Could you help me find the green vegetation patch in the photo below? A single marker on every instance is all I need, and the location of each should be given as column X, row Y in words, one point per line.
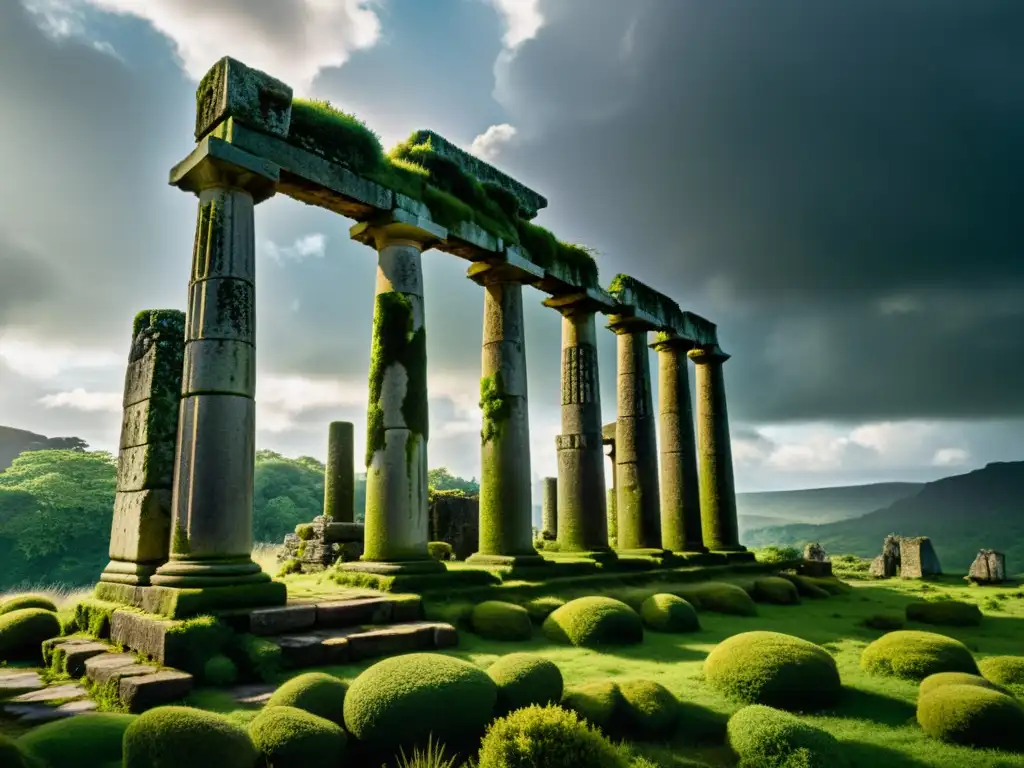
column 914, row 655
column 669, row 613
column 13, row 756
column 83, row 741
column 947, row 613
column 596, row 703
column 27, row 601
column 495, row 406
column 1004, row 670
column 973, row 716
column 337, row 136
column 440, row 550
column 646, row 299
column 646, row 709
column 219, row 670
column 773, row 589
column 540, row 608
column 770, row 738
column 304, row 531
column 287, row 737
column 718, row 597
column 524, row 679
column 546, row 736
column 497, row 620
column 940, row 679
column 318, row 693
column 255, row 657
column 93, row 615
column 806, row 586
column 171, row 737
column 774, row 669
column 22, row 633
column 191, row 643
column 595, row 621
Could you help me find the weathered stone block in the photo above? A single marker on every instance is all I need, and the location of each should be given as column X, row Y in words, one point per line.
column 989, row 567
column 388, row 641
column 253, row 98
column 144, row 634
column 445, row 636
column 918, row 558
column 152, row 420
column 348, row 613
column 298, row 651
column 138, row 694
column 146, row 466
column 140, row 532
column 116, row 673
column 456, row 520
column 71, row 656
column 219, row 366
column 99, row 666
column 222, row 308
column 273, row 621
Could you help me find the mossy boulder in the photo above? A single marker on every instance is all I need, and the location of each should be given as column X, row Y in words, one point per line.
column 83, row 741
column 590, row 622
column 940, row 679
column 973, row 716
column 807, row 586
column 646, row 709
column 764, row 737
column 13, row 756
column 540, row 608
column 914, row 655
column 171, row 737
column 524, row 679
column 547, row 736
column 440, row 550
column 596, row 703
column 404, row 699
column 946, row 613
column 287, row 737
column 219, row 670
column 28, row 601
column 496, row 620
column 774, row 669
column 669, row 613
column 776, row 590
column 318, row 693
column 23, row 631
column 718, row 597
column 1004, row 670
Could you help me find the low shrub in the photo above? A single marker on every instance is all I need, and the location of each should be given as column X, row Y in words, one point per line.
column 170, row 737
column 973, row 716
column 1004, row 670
column 304, row 531
column 440, row 550
column 596, row 703
column 256, row 657
column 947, row 613
column 318, row 693
column 23, row 631
column 886, row 622
column 219, row 670
column 496, row 620
column 773, row 589
column 773, row 555
column 82, row 741
column 546, row 736
column 718, row 597
column 540, row 608
column 28, row 601
column 914, row 655
column 646, row 709
column 594, row 621
column 764, row 737
column 524, row 679
column 806, row 586
column 287, row 737
column 669, row 613
column 940, row 679
column 831, row 584
column 774, row 669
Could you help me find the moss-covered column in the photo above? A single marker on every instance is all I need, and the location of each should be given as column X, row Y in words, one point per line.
column 611, row 497
column 680, row 491
column 714, row 449
column 397, row 519
column 339, row 477
column 549, row 508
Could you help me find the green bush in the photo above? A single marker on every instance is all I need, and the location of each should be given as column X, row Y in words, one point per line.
column 78, row 742
column 22, row 632
column 524, row 679
column 288, row 737
column 773, row 589
column 1004, row 670
column 495, row 620
column 171, row 737
column 774, row 555
column 884, row 622
column 402, row 700
column 973, row 716
column 646, row 709
column 546, row 736
column 764, row 737
column 831, row 584
column 915, row 655
column 318, row 693
column 774, row 669
column 669, row 613
column 540, row 608
column 22, row 602
column 595, row 702
column 718, row 597
column 13, row 756
column 594, row 621
column 440, row 550
column 940, row 679
column 304, row 531
column 219, row 670
column 256, row 657
column 806, row 586
column 947, row 613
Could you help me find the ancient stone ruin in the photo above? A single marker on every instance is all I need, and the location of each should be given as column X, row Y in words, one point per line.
column 887, row 564
column 455, row 519
column 815, row 561
column 917, row 558
column 989, row 567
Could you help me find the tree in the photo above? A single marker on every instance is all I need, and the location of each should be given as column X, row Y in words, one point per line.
column 441, row 479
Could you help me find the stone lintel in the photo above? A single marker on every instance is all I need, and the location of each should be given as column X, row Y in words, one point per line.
column 470, row 241
column 637, row 322
column 709, row 354
column 702, row 332
column 580, row 301
column 215, row 162
column 507, row 267
column 398, row 225
column 231, row 89
column 666, row 340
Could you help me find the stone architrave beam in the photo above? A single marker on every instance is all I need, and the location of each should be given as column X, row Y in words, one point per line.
column 339, row 477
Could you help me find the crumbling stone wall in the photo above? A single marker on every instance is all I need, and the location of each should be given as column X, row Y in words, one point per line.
column 887, row 564
column 918, row 558
column 317, row 545
column 455, row 518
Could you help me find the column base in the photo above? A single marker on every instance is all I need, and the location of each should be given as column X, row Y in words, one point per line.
column 505, row 561
column 177, row 603
column 597, row 555
column 185, row 573
column 395, row 568
column 126, row 572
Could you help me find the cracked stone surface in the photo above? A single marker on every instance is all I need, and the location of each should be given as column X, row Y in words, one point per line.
column 53, row 693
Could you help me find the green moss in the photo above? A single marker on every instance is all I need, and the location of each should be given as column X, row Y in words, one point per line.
column 1005, row 670
column 646, row 710
column 191, row 643
column 179, row 542
column 949, row 613
column 288, row 737
column 13, row 756
column 772, row 589
column 547, row 736
column 718, row 597
column 301, row 551
column 669, row 613
column 497, row 620
column 593, row 622
column 505, row 200
column 318, row 693
column 170, row 737
column 335, row 135
column 23, row 632
column 494, row 404
column 28, row 601
column 78, row 742
column 597, row 703
column 440, row 550
column 256, row 657
column 806, row 587
column 972, row 716
column 183, row 603
column 545, row 250
column 524, row 679
column 646, row 298
column 915, row 655
column 770, row 738
column 219, row 670
column 415, row 410
column 940, row 679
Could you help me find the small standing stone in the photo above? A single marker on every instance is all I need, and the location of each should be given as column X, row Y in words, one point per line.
column 815, row 552
column 989, row 567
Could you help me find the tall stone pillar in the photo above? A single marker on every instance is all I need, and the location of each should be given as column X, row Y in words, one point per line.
column 611, row 496
column 211, row 531
column 680, row 491
column 549, row 508
column 339, row 477
column 636, row 450
column 717, row 485
column 140, row 533
column 397, row 519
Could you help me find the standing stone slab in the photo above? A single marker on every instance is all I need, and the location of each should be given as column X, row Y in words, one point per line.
column 549, row 508
column 251, row 97
column 989, row 567
column 918, row 559
column 140, row 532
column 339, row 478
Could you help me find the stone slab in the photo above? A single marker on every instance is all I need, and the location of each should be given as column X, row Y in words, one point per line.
column 341, row 646
column 52, row 693
column 144, row 692
column 105, row 675
column 274, row 621
column 253, row 693
column 142, row 633
column 347, row 613
column 38, row 713
column 232, row 89
column 101, row 665
column 74, row 655
column 14, row 682
column 146, row 466
column 141, row 528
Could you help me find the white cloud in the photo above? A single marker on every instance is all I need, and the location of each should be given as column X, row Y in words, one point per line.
column 522, row 20
column 279, row 399
column 80, row 400
column 488, row 145
column 305, row 247
column 39, row 360
column 950, row 457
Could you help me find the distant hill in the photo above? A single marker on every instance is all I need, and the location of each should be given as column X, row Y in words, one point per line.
column 817, row 505
column 961, row 514
column 14, row 441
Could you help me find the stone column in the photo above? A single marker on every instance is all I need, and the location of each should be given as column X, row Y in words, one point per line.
column 636, row 450
column 680, row 491
column 717, row 486
column 397, row 518
column 140, row 533
column 211, row 531
column 339, row 477
column 549, row 508
column 611, row 495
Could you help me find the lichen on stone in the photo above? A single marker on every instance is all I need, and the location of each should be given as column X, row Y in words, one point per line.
column 494, row 404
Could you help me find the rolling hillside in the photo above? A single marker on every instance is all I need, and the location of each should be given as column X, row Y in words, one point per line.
column 961, row 514
column 14, row 441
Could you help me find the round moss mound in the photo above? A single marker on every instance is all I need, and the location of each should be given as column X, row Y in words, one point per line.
column 669, row 613
column 440, row 550
column 914, row 655
column 82, row 741
column 495, row 620
column 170, row 737
column 590, row 622
column 945, row 613
column 405, row 699
column 596, row 703
column 940, row 679
column 546, row 736
column 775, row 590
column 23, row 631
column 28, row 601
column 219, row 670
column 540, row 608
column 972, row 716
column 1004, row 670
column 807, row 587
column 318, row 693
column 13, row 756
column 524, row 679
column 774, row 669
column 288, row 737
column 646, row 709
column 719, row 597
column 770, row 738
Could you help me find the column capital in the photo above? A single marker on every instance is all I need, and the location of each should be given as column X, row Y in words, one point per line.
column 710, row 354
column 620, row 324
column 398, row 227
column 507, row 267
column 571, row 304
column 216, row 163
column 666, row 342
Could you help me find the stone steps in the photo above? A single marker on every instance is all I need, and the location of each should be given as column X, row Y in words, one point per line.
column 324, row 647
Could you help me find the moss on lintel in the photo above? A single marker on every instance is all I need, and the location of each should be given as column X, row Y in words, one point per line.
column 647, row 299
column 337, row 136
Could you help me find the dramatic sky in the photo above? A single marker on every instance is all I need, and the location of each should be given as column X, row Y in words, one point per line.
column 836, row 184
